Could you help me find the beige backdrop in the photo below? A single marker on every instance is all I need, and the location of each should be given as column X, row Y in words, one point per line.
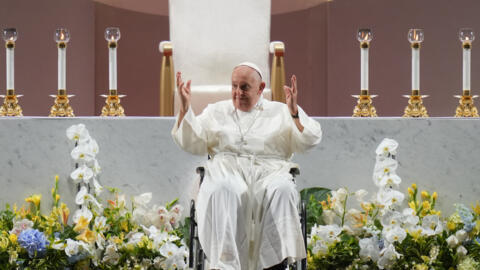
column 321, row 48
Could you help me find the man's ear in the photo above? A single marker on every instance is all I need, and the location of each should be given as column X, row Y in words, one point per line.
column 261, row 87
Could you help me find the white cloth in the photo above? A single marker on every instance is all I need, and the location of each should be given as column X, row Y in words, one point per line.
column 245, row 181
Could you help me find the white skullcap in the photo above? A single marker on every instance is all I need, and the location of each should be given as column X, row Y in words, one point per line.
column 251, row 65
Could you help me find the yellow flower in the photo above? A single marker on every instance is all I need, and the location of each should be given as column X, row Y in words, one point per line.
column 415, row 234
column 412, row 205
column 3, row 243
column 435, row 195
column 81, row 224
column 414, row 186
column 435, row 212
column 13, row 238
column 35, row 199
column 425, row 195
column 422, row 266
column 476, row 209
column 124, row 225
column 410, row 191
column 451, row 225
column 65, row 212
column 87, row 236
column 426, row 205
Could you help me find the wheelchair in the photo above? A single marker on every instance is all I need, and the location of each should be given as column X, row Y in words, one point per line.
column 196, row 258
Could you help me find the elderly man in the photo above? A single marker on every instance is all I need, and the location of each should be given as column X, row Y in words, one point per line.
column 247, row 204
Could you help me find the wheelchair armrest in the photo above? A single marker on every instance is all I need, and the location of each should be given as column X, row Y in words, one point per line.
column 201, row 172
column 294, row 171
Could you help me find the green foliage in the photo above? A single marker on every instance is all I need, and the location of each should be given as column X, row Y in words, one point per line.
column 6, row 219
column 314, row 209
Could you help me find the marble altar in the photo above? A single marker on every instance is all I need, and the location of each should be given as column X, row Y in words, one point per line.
column 138, row 155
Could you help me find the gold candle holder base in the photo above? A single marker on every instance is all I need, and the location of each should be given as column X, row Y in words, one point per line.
column 112, row 105
column 466, row 107
column 415, row 106
column 364, row 107
column 61, row 106
column 10, row 105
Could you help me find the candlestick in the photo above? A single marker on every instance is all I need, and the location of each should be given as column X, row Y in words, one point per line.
column 10, row 105
column 112, row 106
column 466, row 107
column 364, row 107
column 61, row 106
column 415, row 107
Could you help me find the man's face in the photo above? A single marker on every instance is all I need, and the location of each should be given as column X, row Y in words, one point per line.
column 247, row 86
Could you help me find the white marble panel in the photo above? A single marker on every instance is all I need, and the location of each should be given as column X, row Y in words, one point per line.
column 138, row 155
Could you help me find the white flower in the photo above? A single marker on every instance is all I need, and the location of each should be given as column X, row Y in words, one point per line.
column 100, row 223
column 340, row 195
column 431, row 225
column 462, row 251
column 391, row 218
column 134, row 237
column 394, row 234
column 382, row 169
column 96, row 167
column 387, row 146
column 83, row 212
column 177, row 209
column 328, row 216
column 20, row 226
column 83, row 196
column 452, row 241
column 78, row 133
column 72, row 247
column 142, row 199
column 461, row 235
column 58, row 244
column 369, row 249
column 93, row 146
column 388, row 256
column 111, row 255
column 360, row 194
column 82, row 173
column 410, row 220
column 391, row 179
column 98, row 189
column 83, row 153
column 390, row 197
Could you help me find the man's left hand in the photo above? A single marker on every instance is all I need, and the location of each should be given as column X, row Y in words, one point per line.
column 291, row 96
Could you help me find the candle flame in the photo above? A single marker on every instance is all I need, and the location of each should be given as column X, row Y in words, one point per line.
column 62, row 36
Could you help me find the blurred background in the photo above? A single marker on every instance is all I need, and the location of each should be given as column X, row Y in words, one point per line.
column 321, row 49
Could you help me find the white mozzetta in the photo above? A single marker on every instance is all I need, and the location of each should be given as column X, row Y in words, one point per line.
column 138, row 155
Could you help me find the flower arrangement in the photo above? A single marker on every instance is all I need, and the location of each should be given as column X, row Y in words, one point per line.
column 393, row 230
column 103, row 233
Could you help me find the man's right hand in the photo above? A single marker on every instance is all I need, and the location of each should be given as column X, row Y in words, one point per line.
column 184, row 93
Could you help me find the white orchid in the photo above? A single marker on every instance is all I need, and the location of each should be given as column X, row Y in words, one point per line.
column 84, row 197
column 390, row 197
column 135, row 237
column 111, row 255
column 360, row 194
column 384, row 169
column 388, row 256
column 394, row 234
column 431, row 225
column 143, row 199
column 391, row 218
column 388, row 180
column 387, row 146
column 410, row 220
column 83, row 212
column 98, row 189
column 96, row 167
column 78, row 133
column 83, row 153
column 72, row 247
column 369, row 249
column 82, row 174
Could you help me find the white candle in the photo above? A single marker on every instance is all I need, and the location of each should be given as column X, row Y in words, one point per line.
column 415, row 68
column 364, row 68
column 62, row 67
column 466, row 68
column 10, row 69
column 112, row 67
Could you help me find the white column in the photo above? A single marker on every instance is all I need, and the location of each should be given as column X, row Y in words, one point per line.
column 466, row 68
column 112, row 67
column 364, row 68
column 62, row 68
column 415, row 68
column 10, row 69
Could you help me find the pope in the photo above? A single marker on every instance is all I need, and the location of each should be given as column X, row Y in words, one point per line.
column 247, row 205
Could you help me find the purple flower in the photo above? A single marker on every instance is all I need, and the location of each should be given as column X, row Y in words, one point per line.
column 33, row 241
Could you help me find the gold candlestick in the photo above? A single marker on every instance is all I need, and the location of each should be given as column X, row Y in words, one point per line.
column 415, row 106
column 466, row 107
column 61, row 107
column 364, row 107
column 112, row 105
column 10, row 105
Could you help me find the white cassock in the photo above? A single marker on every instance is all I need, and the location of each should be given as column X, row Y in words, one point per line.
column 247, row 205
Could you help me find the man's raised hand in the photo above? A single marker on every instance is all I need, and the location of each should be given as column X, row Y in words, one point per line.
column 184, row 93
column 291, row 95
